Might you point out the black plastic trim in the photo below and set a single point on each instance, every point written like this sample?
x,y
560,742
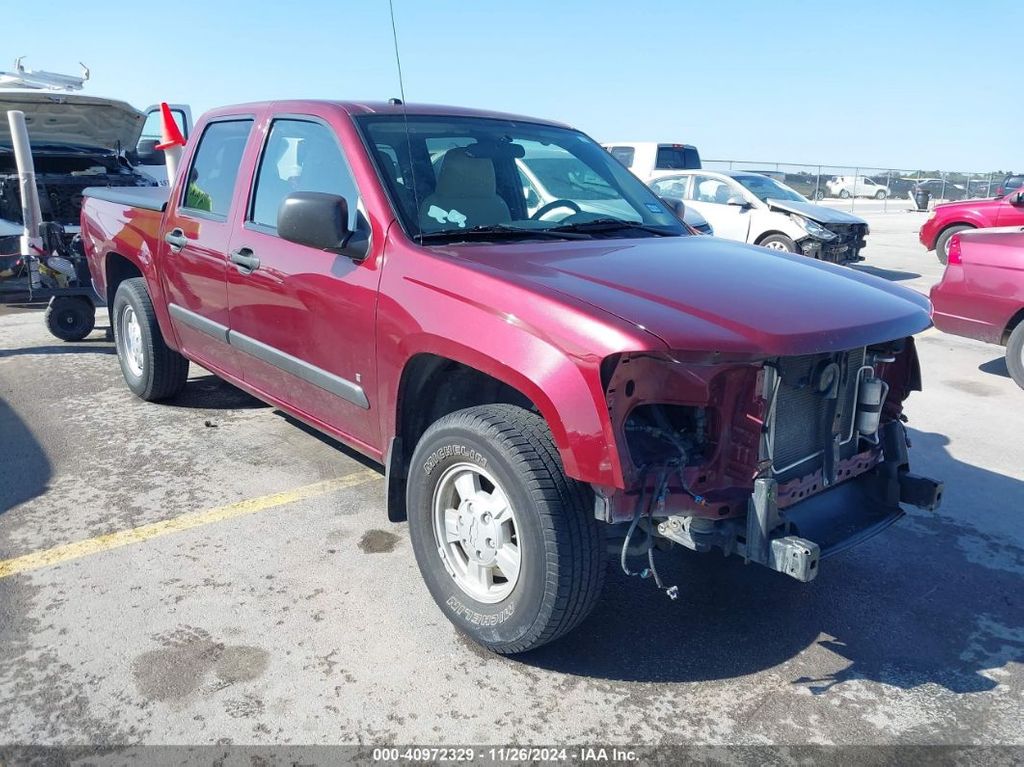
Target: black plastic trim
x,y
329,382
199,322
319,377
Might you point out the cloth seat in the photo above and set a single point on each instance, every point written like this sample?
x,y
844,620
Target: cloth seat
x,y
465,196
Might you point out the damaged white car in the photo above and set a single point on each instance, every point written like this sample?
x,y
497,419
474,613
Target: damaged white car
x,y
753,208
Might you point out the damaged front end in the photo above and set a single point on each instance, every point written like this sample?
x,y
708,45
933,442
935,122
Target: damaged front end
x,y
834,243
782,461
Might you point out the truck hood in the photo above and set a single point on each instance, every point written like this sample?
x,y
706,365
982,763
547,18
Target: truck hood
x,y
712,295
67,118
819,213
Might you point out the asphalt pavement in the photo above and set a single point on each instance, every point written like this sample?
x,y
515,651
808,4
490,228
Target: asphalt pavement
x,y
209,571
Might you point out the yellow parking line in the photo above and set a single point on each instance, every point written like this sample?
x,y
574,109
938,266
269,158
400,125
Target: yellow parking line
x,y
100,543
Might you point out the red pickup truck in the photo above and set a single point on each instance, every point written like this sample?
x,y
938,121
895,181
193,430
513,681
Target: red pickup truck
x,y
534,382
954,217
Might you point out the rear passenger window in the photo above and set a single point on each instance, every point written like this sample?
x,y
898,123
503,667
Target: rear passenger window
x,y
300,156
211,181
679,157
624,154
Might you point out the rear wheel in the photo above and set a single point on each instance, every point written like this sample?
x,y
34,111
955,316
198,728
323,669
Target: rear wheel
x,y
70,318
1015,355
942,243
506,543
152,370
778,242
819,194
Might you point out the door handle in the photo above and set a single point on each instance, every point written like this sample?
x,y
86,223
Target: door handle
x,y
176,239
245,260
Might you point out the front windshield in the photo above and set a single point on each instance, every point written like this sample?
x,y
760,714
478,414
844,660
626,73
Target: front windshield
x,y
491,179
765,188
568,177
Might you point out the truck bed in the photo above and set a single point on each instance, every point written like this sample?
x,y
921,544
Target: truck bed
x,y
146,197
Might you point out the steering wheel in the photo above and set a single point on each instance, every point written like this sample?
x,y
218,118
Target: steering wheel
x,y
555,205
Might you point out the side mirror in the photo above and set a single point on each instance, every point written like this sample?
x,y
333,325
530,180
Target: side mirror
x,y
320,221
1018,198
676,206
738,201
146,153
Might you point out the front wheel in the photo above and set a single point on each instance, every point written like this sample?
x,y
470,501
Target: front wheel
x,y
844,194
152,370
778,242
1015,355
879,195
70,318
942,242
506,543
819,194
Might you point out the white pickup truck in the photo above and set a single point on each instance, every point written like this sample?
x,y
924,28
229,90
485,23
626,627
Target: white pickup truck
x,y
648,160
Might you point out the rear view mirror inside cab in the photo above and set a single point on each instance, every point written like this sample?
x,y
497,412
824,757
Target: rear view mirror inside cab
x,y
495,150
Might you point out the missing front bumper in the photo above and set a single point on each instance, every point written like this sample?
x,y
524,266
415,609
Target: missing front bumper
x,y
834,252
793,541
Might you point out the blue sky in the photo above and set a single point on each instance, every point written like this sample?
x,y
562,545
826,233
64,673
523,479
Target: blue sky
x,y
901,84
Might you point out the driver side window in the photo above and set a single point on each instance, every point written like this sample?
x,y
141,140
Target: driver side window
x,y
152,128
300,156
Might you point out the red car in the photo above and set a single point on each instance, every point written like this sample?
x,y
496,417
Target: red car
x,y
981,294
532,380
955,217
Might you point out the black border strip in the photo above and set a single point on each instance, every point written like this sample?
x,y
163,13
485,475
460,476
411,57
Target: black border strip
x,y
319,377
199,322
329,382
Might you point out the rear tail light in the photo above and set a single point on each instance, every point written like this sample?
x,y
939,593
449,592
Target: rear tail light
x,y
953,257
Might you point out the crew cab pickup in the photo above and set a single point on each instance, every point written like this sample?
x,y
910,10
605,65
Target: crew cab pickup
x,y
533,384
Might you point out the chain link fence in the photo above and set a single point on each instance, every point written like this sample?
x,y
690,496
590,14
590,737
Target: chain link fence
x,y
876,189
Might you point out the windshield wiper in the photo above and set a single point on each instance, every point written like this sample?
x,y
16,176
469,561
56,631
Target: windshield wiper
x,y
598,225
501,230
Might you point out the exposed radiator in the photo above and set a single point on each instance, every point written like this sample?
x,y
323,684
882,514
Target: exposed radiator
x,y
800,428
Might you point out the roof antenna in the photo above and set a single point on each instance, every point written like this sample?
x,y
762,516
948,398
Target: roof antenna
x,y
398,59
405,115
